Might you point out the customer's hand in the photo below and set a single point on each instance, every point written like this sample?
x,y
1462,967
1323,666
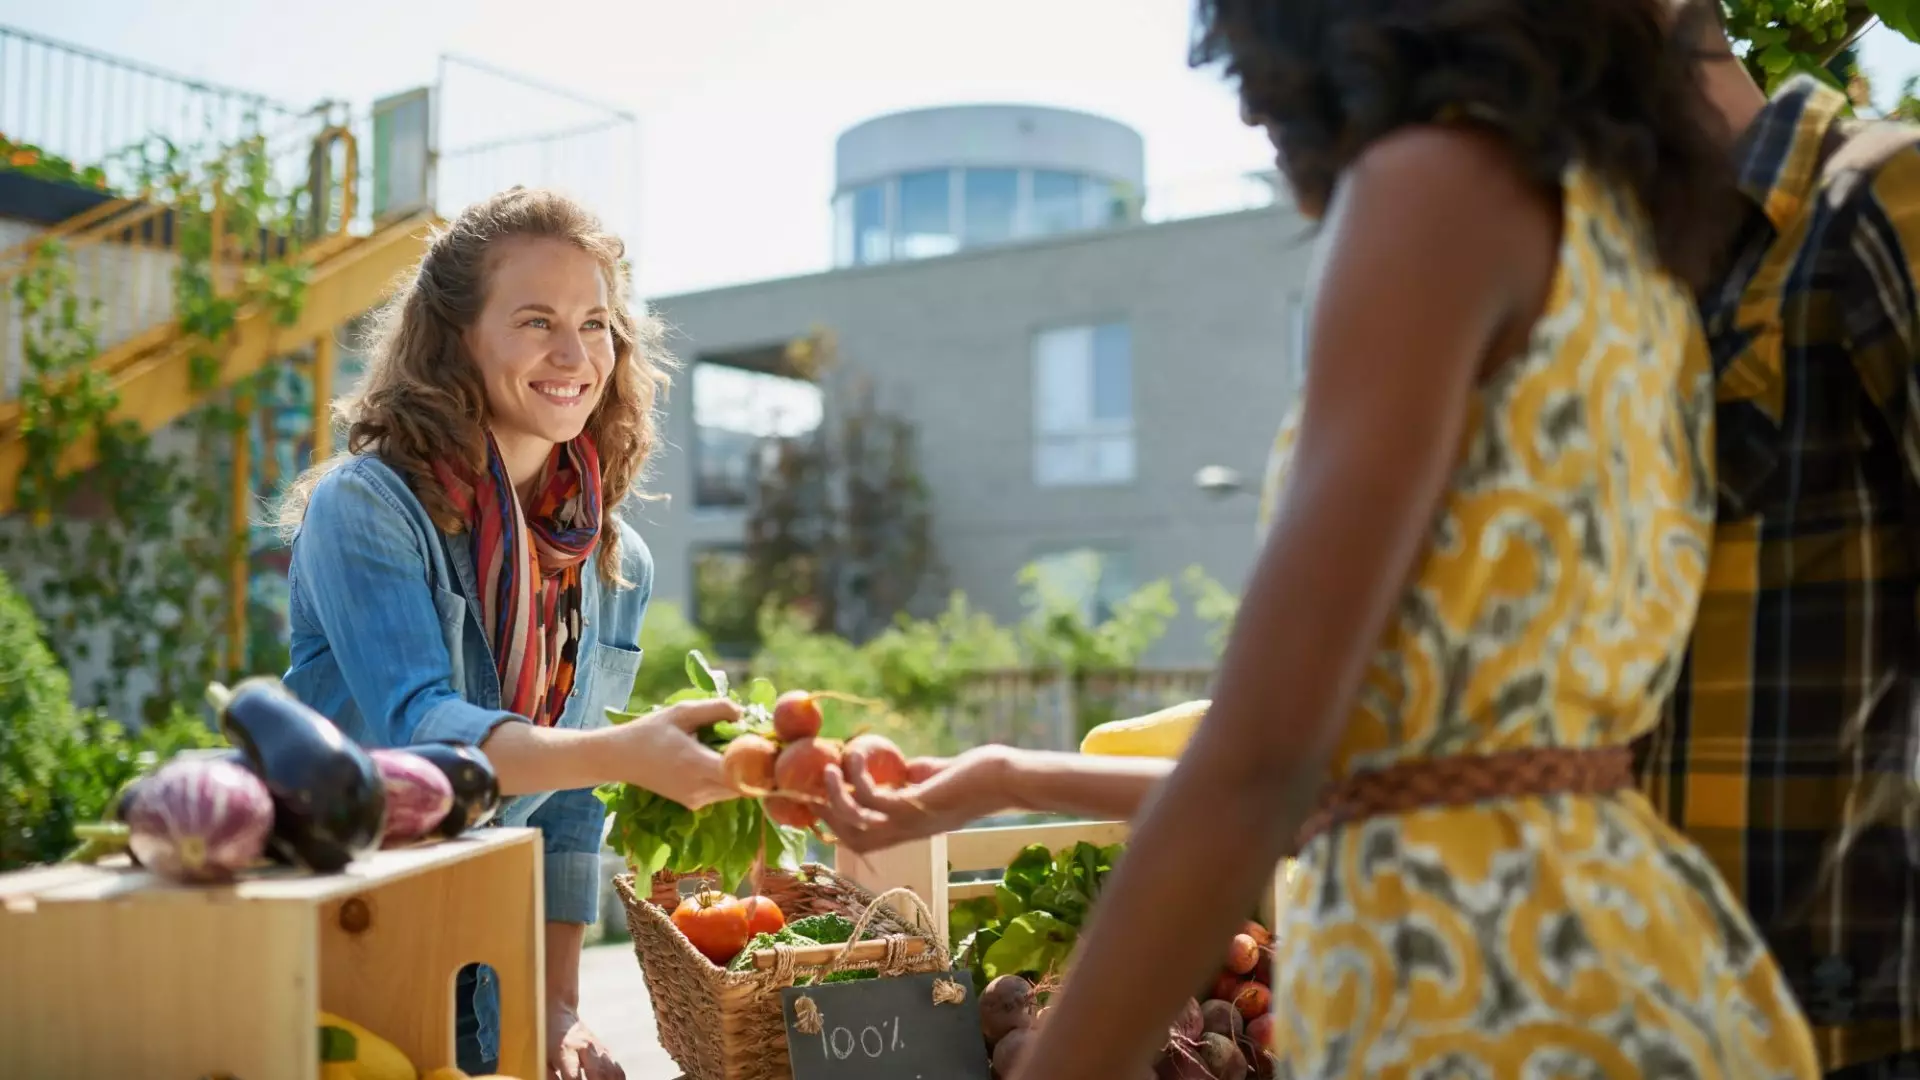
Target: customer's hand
x,y
941,795
659,752
575,1053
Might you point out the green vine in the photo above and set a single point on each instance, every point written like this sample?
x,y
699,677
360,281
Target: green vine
x,y
143,585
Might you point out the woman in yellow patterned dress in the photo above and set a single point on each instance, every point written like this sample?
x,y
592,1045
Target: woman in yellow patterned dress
x,y
1477,581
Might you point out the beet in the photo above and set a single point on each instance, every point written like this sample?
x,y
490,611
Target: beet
x,y
1006,1006
1254,999
796,716
1190,1023
1180,1060
329,806
1006,1053
1221,1018
886,766
1258,1045
748,763
801,767
418,795
1242,954
476,790
199,820
1222,1058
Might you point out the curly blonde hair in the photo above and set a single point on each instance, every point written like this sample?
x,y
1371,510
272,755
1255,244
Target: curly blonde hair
x,y
422,395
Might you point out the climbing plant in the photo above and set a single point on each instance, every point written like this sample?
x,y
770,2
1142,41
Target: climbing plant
x,y
128,561
1782,38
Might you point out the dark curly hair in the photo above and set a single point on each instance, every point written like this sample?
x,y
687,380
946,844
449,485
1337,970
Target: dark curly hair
x,y
1610,83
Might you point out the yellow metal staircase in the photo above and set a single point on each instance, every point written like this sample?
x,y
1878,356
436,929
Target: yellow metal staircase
x,y
151,368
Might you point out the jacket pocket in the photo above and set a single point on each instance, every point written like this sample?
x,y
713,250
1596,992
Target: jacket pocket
x,y
606,683
453,625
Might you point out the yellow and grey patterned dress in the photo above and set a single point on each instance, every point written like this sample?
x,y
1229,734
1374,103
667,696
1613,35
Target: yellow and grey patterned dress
x,y
1560,936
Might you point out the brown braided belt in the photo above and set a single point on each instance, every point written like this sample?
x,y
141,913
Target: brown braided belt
x,y
1469,778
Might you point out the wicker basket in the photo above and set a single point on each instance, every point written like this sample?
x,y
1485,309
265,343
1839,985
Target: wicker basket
x,y
721,1025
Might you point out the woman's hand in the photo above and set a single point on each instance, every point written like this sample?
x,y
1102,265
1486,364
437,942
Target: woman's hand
x,y
658,752
575,1053
943,795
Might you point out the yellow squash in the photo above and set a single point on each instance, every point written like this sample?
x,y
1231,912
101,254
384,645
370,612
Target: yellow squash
x,y
351,1052
1162,734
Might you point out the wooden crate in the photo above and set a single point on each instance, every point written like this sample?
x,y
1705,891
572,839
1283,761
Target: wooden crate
x,y
928,866
110,971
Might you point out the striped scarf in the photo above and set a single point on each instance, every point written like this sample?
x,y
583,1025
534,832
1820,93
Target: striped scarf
x,y
529,560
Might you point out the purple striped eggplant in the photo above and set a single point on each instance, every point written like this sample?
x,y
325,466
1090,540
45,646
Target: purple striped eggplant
x,y
418,795
199,820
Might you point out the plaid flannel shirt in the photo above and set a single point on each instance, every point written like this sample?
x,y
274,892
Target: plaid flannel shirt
x,y
1788,753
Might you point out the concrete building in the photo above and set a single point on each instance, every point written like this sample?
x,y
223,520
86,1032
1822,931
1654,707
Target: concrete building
x,y
1068,363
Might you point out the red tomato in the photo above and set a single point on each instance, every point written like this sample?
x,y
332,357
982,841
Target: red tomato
x,y
763,916
716,924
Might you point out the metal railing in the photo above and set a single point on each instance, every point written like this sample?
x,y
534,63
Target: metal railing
x,y
90,108
496,129
120,256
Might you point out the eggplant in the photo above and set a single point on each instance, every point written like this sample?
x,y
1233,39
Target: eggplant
x,y
418,795
476,790
329,804
200,821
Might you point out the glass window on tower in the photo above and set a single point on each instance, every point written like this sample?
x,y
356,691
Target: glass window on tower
x,y
989,197
870,225
926,215
1058,202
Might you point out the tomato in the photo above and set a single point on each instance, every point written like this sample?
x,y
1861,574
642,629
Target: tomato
x,y
716,924
763,915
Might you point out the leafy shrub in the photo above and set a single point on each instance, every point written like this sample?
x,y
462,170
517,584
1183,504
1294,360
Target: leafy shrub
x,y
61,766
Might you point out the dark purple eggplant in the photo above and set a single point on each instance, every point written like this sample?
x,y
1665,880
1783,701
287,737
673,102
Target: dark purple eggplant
x,y
329,805
476,790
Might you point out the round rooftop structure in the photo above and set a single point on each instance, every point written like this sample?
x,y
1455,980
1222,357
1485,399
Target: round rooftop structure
x,y
934,181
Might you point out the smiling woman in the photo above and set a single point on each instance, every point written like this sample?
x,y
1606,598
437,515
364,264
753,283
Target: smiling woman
x,y
460,574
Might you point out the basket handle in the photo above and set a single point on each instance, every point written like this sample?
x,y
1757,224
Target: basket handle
x,y
894,949
922,917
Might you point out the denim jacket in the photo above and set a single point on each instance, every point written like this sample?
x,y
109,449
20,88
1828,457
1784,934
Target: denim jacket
x,y
388,643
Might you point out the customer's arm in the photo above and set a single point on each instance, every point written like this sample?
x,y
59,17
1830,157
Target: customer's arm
x,y
946,795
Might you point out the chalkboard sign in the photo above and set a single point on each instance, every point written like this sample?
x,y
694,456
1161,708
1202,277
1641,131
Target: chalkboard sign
x,y
913,1027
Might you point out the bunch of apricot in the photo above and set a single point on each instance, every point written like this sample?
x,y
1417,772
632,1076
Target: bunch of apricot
x,y
786,767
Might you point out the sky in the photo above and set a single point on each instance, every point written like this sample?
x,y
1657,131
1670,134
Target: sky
x,y
738,102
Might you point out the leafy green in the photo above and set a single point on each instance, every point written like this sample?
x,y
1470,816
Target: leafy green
x,y
655,833
812,930
824,929
1031,923
1032,944
761,942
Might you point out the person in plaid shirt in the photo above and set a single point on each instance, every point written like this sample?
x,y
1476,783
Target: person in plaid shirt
x,y
1789,755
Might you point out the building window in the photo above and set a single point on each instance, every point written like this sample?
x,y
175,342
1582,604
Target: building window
x,y
1059,202
735,411
926,215
991,196
1093,579
870,237
1083,406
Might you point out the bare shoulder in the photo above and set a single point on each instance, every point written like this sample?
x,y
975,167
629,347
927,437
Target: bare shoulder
x,y
1449,214
1446,181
